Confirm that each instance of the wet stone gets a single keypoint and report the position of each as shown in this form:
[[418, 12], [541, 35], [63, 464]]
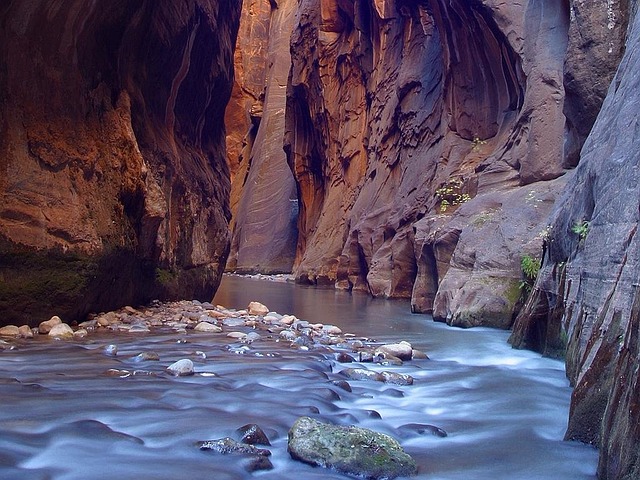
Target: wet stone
[[257, 308], [344, 358], [61, 330], [258, 462], [351, 450], [343, 384], [228, 445], [146, 356], [421, 429], [252, 434], [181, 368], [207, 327], [111, 350]]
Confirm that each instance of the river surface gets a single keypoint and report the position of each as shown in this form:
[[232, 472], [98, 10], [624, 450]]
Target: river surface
[[62, 418]]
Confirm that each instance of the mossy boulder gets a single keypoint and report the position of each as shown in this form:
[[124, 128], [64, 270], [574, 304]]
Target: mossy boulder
[[350, 450]]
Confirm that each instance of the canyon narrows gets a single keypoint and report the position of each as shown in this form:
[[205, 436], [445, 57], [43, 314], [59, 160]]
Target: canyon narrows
[[414, 149]]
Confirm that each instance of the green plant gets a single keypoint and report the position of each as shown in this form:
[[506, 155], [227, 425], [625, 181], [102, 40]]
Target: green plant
[[165, 277], [530, 269], [581, 228], [450, 194], [476, 143]]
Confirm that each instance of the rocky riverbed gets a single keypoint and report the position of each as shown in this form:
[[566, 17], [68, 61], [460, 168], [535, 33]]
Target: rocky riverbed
[[244, 328], [167, 388]]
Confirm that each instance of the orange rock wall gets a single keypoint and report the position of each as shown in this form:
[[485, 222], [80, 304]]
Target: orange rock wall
[[113, 151]]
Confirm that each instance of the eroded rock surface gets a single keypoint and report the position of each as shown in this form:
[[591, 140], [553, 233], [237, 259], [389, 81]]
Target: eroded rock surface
[[113, 174], [264, 196], [587, 297], [399, 114]]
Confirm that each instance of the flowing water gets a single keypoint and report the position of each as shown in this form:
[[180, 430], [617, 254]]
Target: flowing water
[[504, 410]]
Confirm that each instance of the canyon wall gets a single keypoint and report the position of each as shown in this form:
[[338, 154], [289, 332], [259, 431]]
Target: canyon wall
[[434, 145], [427, 140], [264, 199], [587, 295], [113, 170]]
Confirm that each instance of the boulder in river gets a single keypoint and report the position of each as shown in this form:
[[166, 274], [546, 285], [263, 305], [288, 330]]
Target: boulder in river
[[350, 450], [401, 350], [181, 368], [252, 434], [207, 327]]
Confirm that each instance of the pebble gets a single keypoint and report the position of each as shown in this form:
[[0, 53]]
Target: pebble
[[111, 350], [144, 356], [25, 331], [238, 335], [181, 368]]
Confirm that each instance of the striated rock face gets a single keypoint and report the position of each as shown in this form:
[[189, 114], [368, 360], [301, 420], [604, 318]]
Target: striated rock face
[[264, 196], [587, 294], [113, 175], [397, 114]]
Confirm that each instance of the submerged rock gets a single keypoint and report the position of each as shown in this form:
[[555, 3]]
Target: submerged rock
[[351, 450], [228, 445], [386, 377]]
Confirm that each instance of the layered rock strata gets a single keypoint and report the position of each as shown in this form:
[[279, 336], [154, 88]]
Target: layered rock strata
[[586, 297], [113, 174]]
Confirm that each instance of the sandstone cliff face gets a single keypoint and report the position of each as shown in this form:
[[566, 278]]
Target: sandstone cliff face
[[113, 175], [264, 197], [587, 293], [403, 120], [397, 114]]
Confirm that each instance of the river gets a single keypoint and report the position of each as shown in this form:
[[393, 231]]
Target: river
[[504, 410]]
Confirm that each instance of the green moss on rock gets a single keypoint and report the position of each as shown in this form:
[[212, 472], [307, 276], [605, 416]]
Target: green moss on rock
[[351, 450]]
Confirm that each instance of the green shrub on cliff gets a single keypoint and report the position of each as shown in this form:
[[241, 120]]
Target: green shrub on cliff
[[530, 268]]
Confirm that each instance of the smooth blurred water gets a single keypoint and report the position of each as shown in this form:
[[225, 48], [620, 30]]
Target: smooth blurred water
[[504, 410]]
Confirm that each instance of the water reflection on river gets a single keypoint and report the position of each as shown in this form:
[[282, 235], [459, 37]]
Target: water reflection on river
[[504, 410]]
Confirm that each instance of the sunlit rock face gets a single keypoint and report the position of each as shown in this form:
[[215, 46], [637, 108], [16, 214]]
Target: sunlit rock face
[[263, 197], [113, 174], [403, 120], [587, 297]]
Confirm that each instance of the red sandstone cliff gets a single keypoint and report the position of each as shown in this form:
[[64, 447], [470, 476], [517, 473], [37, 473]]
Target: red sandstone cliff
[[429, 143], [113, 171], [263, 196]]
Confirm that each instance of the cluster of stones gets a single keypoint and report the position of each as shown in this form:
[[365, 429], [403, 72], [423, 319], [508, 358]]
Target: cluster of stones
[[262, 324], [351, 450]]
